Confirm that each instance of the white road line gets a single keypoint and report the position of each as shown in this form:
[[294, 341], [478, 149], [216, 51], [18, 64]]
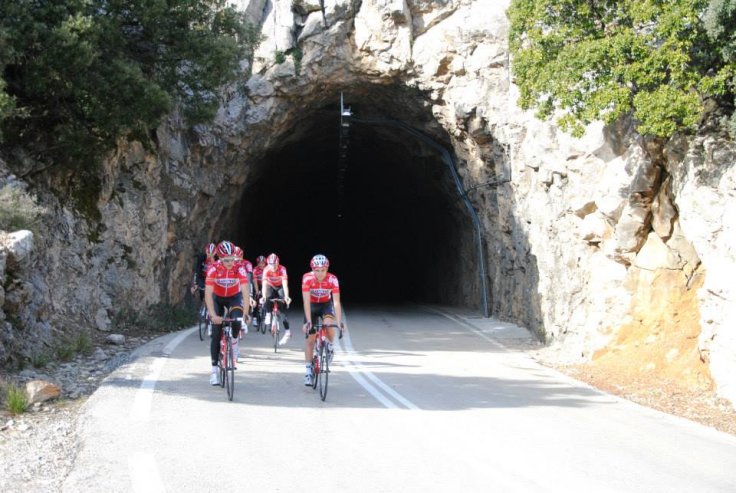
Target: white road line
[[361, 375], [465, 324], [144, 473], [142, 402]]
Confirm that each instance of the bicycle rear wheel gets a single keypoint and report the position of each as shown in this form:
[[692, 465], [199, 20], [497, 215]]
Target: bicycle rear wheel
[[202, 327], [230, 371], [324, 372]]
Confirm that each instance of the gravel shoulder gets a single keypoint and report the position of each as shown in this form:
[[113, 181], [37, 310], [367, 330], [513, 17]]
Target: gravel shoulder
[[38, 448]]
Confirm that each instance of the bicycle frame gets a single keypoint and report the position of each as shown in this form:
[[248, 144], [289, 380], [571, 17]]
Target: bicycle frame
[[275, 322], [226, 362]]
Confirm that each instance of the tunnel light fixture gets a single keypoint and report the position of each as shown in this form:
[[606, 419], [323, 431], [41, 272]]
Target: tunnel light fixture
[[342, 162]]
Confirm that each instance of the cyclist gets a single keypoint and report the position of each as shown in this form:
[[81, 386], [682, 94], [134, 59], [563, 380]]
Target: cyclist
[[245, 264], [225, 286], [257, 282], [321, 295], [201, 264], [275, 277]]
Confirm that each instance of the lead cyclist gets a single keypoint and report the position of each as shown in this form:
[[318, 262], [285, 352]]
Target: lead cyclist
[[321, 296]]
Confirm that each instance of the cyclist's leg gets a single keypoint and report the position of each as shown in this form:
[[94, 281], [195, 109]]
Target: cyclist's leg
[[268, 306], [283, 312], [215, 341], [284, 320], [328, 313], [309, 348]]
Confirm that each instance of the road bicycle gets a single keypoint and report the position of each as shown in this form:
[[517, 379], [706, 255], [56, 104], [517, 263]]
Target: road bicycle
[[226, 361], [276, 322], [321, 358], [204, 321]]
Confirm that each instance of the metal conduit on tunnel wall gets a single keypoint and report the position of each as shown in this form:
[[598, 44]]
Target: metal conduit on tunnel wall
[[449, 160]]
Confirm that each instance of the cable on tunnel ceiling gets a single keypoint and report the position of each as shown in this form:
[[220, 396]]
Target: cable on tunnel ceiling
[[346, 117]]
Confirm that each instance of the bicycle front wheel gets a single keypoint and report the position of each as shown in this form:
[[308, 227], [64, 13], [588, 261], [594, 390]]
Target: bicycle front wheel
[[315, 370], [202, 328], [275, 331], [230, 371], [324, 372]]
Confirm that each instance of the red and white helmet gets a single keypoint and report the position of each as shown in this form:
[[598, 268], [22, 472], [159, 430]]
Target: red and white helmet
[[260, 259], [319, 261], [239, 252], [209, 249], [273, 259], [225, 249]]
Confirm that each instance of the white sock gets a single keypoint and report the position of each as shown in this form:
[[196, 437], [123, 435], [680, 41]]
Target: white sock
[[309, 369]]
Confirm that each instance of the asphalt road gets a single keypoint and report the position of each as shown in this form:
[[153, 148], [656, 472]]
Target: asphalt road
[[420, 399]]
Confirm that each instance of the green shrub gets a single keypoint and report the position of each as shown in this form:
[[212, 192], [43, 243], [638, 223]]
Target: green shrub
[[279, 57], [581, 61], [156, 318], [65, 350], [83, 343], [18, 210], [16, 400], [297, 56], [40, 359]]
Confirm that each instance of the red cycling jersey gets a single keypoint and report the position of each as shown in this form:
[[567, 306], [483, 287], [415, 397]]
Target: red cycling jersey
[[258, 274], [274, 277], [320, 291], [226, 282], [245, 264]]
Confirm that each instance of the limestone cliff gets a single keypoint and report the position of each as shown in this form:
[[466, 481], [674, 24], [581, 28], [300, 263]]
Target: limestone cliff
[[583, 238]]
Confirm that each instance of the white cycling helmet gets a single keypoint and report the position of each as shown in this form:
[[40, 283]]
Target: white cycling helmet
[[319, 261]]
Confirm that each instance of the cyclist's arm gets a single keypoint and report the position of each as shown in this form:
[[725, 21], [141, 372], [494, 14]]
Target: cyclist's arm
[[209, 301], [251, 285], [264, 291], [285, 283], [307, 302], [338, 310], [246, 303]]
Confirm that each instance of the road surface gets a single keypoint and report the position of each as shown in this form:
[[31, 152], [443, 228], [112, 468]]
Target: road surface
[[421, 399]]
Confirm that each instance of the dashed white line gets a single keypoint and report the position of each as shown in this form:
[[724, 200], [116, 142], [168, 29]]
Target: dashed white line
[[144, 473]]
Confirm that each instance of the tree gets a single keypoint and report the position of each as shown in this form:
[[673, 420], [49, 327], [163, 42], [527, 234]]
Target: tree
[[583, 61], [79, 74], [720, 24]]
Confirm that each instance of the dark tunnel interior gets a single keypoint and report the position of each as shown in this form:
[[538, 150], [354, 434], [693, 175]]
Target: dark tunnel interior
[[391, 224]]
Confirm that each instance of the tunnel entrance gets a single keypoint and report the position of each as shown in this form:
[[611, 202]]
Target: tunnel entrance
[[398, 231]]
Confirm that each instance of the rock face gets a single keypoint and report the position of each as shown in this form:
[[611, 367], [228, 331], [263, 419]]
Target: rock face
[[576, 231]]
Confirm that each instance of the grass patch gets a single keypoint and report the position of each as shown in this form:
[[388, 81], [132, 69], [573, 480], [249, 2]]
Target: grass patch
[[64, 350], [161, 317], [16, 400], [83, 343], [40, 359]]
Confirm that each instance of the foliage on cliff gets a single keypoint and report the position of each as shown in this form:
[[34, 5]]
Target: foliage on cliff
[[76, 75], [658, 60]]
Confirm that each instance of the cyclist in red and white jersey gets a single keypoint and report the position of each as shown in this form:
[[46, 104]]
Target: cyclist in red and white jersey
[[321, 296], [245, 264], [226, 286], [257, 282], [202, 263], [275, 278]]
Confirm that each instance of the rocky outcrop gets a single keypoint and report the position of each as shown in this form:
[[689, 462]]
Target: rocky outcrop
[[576, 231]]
